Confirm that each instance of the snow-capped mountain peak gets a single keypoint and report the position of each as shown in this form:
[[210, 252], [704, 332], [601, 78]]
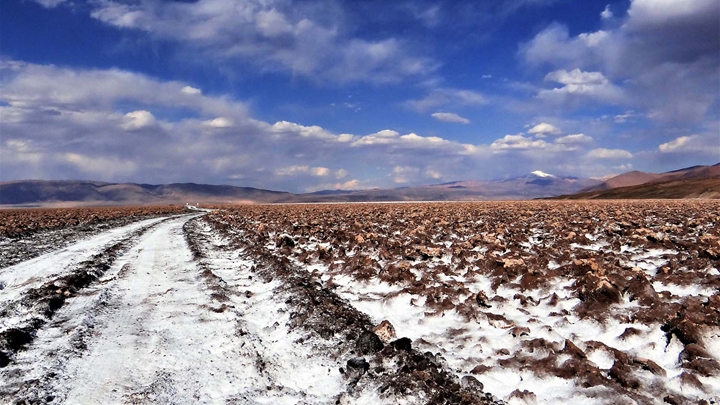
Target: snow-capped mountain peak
[[542, 174]]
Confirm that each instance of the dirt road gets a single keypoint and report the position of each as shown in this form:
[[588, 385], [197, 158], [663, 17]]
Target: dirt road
[[152, 329]]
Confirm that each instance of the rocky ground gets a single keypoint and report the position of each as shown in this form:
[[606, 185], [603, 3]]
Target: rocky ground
[[609, 302], [448, 303]]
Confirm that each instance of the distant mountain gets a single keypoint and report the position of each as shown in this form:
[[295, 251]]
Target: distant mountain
[[534, 185], [42, 192], [48, 193], [691, 182], [635, 178]]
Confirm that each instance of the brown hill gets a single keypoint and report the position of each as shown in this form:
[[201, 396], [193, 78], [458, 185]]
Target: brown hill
[[674, 189], [635, 178]]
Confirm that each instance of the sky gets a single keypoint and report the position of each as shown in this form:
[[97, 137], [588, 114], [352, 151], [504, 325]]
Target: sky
[[304, 96]]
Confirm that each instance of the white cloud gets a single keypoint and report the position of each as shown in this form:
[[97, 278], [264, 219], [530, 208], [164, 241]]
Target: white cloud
[[65, 123], [275, 35], [698, 144], [622, 118], [383, 137], [658, 59], [432, 174], [219, 122], [50, 3], [544, 129], [602, 153], [320, 171], [576, 77], [450, 117], [517, 142], [592, 85], [574, 139], [607, 13], [190, 90], [314, 131], [138, 119]]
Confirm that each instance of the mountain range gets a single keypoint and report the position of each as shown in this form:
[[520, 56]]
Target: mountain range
[[692, 182]]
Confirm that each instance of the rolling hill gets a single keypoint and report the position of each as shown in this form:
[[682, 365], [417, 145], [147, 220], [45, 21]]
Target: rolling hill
[[691, 182]]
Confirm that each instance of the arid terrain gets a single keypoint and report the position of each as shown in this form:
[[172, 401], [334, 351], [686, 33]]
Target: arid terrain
[[538, 302]]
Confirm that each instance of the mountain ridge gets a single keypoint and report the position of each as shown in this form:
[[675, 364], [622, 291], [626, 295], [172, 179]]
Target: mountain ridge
[[690, 182], [88, 192]]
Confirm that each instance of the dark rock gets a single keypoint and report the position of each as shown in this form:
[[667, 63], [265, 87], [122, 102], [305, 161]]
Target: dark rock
[[402, 344], [369, 343], [358, 364]]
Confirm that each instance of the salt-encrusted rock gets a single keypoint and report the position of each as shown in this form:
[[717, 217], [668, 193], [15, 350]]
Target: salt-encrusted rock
[[573, 350], [482, 299], [471, 383], [524, 395], [385, 331], [284, 240], [650, 366]]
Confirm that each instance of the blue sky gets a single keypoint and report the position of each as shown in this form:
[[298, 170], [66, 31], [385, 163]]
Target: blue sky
[[310, 95]]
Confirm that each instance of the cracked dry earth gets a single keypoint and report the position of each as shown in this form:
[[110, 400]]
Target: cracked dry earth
[[439, 303], [174, 311]]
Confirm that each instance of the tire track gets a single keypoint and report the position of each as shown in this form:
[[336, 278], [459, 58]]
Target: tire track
[[38, 305]]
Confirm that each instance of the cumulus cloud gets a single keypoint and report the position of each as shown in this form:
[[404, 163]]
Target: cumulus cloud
[[602, 153], [320, 171], [593, 85], [190, 90], [138, 119], [661, 59], [450, 117], [543, 128], [219, 122], [696, 144], [64, 123], [383, 137], [517, 142], [607, 13]]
